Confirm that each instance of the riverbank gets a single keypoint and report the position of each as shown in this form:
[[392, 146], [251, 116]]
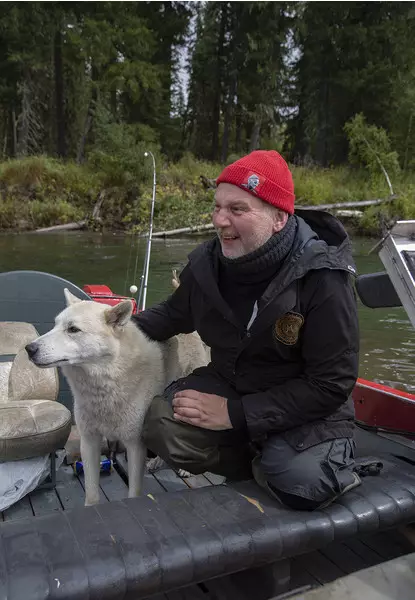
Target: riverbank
[[38, 192]]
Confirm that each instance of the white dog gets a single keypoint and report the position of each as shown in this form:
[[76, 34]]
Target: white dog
[[114, 370]]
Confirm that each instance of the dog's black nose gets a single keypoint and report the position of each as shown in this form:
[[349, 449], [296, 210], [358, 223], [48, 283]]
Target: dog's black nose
[[31, 349]]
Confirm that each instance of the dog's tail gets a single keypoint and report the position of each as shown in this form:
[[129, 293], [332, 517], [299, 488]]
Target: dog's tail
[[175, 281]]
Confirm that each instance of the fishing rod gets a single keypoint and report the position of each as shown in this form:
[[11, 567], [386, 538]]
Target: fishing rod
[[141, 300]]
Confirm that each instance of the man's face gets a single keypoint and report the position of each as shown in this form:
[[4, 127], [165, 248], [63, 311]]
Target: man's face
[[243, 222]]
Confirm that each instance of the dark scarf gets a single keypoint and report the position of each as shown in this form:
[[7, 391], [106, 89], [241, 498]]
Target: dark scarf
[[243, 280]]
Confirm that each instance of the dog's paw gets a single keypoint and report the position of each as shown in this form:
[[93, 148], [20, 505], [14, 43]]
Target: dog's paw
[[155, 464], [183, 473]]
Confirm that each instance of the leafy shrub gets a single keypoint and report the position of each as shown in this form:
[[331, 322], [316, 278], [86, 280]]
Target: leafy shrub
[[370, 147]]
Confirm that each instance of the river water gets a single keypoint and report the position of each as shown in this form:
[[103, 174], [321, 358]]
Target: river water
[[387, 337]]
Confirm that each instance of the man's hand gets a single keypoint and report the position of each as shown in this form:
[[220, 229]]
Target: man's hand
[[202, 410]]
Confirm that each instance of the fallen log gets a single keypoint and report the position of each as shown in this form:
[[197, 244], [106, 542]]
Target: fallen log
[[353, 204], [194, 229], [66, 227]]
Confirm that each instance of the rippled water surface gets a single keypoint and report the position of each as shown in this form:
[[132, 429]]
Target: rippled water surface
[[387, 337]]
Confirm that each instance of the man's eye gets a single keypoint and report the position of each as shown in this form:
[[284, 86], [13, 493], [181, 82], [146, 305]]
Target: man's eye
[[73, 329]]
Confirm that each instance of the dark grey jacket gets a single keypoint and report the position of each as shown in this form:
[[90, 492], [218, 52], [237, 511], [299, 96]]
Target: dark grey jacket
[[295, 367]]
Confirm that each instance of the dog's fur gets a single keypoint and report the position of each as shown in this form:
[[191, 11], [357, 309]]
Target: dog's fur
[[114, 370]]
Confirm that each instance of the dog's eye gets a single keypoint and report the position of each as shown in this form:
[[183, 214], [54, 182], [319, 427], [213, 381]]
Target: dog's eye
[[73, 329]]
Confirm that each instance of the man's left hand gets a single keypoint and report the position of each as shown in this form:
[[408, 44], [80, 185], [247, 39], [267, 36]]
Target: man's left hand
[[202, 410]]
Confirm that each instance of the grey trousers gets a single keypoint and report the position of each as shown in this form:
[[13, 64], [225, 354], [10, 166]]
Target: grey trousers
[[303, 479]]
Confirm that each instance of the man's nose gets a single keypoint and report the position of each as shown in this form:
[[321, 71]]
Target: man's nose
[[221, 218]]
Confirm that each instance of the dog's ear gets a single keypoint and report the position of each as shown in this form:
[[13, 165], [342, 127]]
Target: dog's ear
[[120, 314], [70, 298]]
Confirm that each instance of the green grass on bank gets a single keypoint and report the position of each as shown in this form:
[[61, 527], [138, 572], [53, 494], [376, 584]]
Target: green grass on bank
[[40, 191]]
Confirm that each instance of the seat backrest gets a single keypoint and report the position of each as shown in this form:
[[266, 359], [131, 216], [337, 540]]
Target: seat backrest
[[376, 290], [37, 297], [19, 378]]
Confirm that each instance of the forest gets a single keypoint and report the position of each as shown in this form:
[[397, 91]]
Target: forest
[[87, 87]]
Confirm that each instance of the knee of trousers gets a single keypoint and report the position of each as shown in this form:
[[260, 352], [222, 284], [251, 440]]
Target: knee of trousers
[[181, 445], [302, 476]]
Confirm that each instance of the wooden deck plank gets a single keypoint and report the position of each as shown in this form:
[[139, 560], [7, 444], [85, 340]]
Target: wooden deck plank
[[215, 479], [170, 480], [320, 567], [344, 558], [193, 592], [196, 481], [113, 486], [389, 545], [301, 579], [102, 496], [150, 484], [369, 556], [221, 588], [44, 502], [69, 488], [20, 510]]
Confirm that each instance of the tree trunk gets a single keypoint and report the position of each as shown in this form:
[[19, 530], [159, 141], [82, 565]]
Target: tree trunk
[[238, 127], [218, 90], [22, 124], [114, 104], [60, 97], [6, 127], [14, 133], [80, 157], [228, 116], [408, 138], [254, 141]]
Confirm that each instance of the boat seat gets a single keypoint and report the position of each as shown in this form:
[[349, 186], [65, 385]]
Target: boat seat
[[376, 290], [32, 423], [154, 544], [36, 297]]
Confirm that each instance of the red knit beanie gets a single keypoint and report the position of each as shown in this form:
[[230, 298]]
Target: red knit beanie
[[265, 174]]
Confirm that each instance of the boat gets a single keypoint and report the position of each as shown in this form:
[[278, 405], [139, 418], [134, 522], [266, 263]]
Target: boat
[[194, 533]]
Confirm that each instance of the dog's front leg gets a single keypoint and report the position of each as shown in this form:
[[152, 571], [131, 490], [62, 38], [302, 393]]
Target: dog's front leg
[[136, 454], [90, 453]]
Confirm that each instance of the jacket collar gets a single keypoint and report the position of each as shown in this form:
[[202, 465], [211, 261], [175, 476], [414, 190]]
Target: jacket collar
[[321, 242]]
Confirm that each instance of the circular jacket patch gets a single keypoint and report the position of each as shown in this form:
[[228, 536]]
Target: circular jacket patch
[[287, 328]]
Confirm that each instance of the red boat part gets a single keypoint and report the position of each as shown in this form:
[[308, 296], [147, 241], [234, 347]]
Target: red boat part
[[381, 407], [104, 295]]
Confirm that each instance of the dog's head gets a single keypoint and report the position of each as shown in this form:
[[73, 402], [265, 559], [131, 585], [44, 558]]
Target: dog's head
[[85, 332]]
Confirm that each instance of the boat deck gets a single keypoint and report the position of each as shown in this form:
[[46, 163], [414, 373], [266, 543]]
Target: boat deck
[[307, 571]]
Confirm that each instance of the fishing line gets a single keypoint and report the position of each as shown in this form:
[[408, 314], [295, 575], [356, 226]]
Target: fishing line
[[141, 301]]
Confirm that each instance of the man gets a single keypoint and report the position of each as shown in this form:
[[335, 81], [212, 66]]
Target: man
[[271, 297]]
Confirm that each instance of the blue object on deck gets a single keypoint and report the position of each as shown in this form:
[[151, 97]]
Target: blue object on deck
[[105, 466]]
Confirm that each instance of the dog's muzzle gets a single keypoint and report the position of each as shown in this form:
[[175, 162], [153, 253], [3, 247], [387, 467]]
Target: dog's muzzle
[[32, 350]]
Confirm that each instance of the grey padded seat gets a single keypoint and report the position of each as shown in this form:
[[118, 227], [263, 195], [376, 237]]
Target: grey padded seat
[[36, 297], [32, 423]]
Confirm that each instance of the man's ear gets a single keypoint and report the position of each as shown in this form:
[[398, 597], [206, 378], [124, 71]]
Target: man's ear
[[280, 220], [120, 314], [70, 298]]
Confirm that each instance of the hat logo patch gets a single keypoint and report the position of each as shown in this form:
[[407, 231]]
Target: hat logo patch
[[252, 183]]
